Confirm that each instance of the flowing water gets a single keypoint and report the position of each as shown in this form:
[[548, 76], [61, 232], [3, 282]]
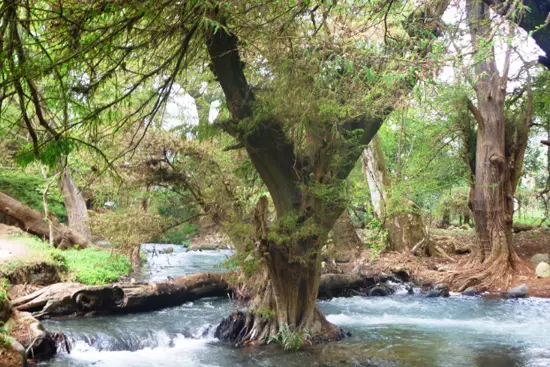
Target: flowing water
[[400, 330]]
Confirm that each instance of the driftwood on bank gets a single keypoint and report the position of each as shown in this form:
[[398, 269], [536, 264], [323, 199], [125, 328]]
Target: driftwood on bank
[[33, 222], [65, 299]]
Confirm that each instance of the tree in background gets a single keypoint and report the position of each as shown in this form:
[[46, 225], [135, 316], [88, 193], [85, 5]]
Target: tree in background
[[501, 141]]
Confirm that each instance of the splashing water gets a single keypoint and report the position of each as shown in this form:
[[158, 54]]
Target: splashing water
[[400, 330]]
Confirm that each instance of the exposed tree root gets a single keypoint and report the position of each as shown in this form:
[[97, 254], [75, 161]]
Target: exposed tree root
[[430, 246], [496, 273], [264, 325], [257, 328]]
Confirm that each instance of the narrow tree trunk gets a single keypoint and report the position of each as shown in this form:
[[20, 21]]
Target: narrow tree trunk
[[467, 218], [32, 222], [405, 227], [75, 204], [445, 218]]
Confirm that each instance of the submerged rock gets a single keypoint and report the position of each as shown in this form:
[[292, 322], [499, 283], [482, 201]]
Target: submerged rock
[[378, 292], [470, 292], [433, 293], [543, 270], [538, 258], [443, 289], [168, 250], [521, 291]]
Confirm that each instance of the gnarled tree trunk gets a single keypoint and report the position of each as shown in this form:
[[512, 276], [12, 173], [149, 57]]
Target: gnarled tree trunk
[[290, 248], [75, 204], [31, 221], [498, 165]]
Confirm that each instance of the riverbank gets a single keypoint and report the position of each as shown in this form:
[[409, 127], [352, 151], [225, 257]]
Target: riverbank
[[401, 329], [431, 271]]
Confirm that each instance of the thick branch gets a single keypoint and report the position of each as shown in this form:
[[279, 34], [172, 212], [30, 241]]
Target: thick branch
[[269, 149], [474, 110]]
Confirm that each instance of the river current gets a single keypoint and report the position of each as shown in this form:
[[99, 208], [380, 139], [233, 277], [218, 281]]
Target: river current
[[399, 330]]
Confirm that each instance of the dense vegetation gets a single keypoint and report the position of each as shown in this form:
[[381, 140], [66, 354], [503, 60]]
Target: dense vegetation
[[131, 121]]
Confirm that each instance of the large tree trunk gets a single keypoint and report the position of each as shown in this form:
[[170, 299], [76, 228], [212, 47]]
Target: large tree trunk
[[291, 247], [497, 169], [31, 221], [65, 299], [75, 204], [405, 226]]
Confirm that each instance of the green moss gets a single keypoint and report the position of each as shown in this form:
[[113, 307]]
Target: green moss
[[265, 313]]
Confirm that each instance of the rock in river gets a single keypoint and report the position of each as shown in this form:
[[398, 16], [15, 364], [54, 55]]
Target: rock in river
[[543, 270], [521, 291], [470, 292]]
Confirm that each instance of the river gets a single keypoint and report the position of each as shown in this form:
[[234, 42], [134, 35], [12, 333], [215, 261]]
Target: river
[[399, 330]]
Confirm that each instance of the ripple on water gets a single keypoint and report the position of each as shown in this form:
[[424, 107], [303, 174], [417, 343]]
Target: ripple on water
[[412, 330]]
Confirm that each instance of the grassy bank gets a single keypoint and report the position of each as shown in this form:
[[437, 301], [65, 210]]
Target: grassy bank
[[88, 266]]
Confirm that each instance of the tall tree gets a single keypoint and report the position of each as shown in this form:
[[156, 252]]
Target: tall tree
[[500, 148], [306, 85]]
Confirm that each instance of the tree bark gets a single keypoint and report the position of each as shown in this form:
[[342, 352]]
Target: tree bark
[[344, 235], [31, 221], [75, 204]]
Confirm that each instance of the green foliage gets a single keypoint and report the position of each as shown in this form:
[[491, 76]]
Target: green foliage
[[89, 266], [178, 237], [4, 337], [376, 247], [290, 339], [265, 313], [243, 260], [27, 187], [92, 266]]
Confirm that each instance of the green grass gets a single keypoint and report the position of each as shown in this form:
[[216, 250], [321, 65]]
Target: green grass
[[289, 339], [89, 266]]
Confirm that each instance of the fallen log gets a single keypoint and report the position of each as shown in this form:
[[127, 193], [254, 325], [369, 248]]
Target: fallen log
[[64, 299], [32, 221], [75, 299]]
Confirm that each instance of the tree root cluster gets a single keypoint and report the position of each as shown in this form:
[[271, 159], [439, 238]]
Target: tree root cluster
[[495, 274]]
